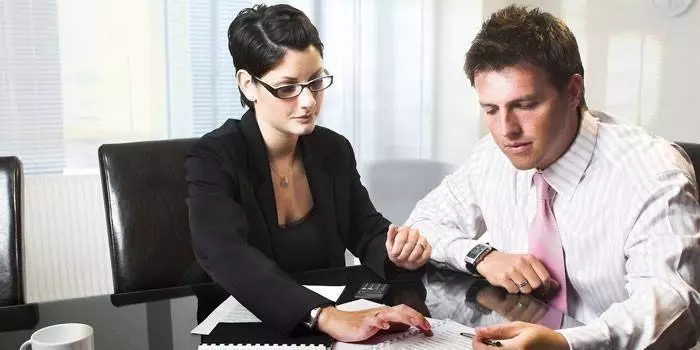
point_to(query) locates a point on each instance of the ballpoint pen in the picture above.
(490, 342)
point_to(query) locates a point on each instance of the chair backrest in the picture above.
(144, 189)
(395, 186)
(11, 280)
(693, 151)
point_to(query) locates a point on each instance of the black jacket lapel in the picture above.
(261, 181)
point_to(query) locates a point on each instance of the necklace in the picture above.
(284, 179)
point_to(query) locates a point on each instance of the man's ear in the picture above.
(575, 91)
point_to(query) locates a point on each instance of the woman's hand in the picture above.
(354, 326)
(407, 248)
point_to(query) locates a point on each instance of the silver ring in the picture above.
(522, 284)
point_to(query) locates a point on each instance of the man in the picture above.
(595, 216)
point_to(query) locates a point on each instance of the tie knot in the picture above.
(544, 191)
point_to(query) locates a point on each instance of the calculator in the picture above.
(372, 291)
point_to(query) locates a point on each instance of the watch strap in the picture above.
(312, 319)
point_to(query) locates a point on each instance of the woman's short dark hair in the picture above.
(259, 37)
(515, 35)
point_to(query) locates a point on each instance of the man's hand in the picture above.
(407, 248)
(520, 335)
(357, 326)
(522, 273)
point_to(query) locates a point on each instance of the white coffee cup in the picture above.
(65, 336)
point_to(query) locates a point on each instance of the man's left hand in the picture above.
(520, 335)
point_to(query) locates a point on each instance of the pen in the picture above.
(490, 342)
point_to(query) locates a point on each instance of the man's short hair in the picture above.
(516, 35)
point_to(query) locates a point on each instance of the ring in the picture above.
(522, 284)
(422, 245)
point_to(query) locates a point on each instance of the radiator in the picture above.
(65, 248)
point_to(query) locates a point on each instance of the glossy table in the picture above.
(163, 319)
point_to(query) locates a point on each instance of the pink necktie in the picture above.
(545, 241)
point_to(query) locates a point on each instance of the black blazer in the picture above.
(232, 209)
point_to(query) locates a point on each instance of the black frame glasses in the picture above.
(289, 91)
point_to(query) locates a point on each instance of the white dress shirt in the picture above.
(628, 214)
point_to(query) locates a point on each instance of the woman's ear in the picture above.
(246, 84)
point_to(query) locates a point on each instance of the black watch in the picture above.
(312, 318)
(475, 256)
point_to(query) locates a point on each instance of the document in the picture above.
(446, 334)
(231, 311)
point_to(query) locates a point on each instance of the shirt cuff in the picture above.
(458, 251)
(593, 336)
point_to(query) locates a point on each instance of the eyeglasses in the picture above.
(293, 90)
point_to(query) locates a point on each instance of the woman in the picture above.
(273, 193)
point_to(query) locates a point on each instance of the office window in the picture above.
(76, 74)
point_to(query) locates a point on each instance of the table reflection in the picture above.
(474, 302)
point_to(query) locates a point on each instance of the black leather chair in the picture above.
(693, 151)
(11, 279)
(144, 189)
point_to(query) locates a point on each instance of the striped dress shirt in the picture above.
(628, 214)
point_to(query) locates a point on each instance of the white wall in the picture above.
(639, 66)
(457, 120)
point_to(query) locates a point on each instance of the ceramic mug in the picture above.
(65, 336)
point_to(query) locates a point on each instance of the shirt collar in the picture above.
(566, 173)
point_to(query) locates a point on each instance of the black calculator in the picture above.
(372, 291)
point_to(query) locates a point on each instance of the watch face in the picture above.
(476, 251)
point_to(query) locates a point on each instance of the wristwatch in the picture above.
(475, 256)
(312, 319)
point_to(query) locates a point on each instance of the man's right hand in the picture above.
(354, 326)
(522, 273)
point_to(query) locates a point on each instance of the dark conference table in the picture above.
(163, 319)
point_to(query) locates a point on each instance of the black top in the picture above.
(232, 216)
(298, 246)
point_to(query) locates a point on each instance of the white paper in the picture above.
(358, 305)
(445, 336)
(231, 311)
(260, 347)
